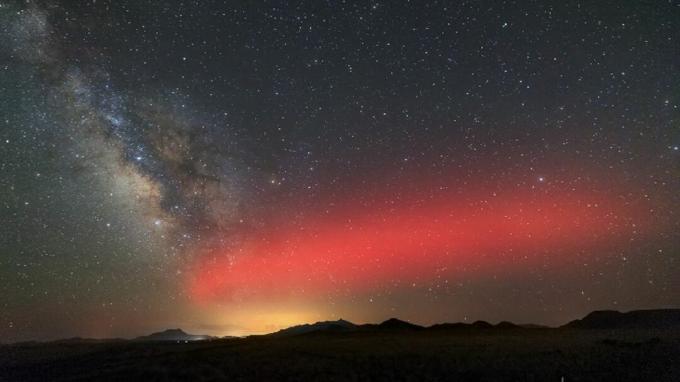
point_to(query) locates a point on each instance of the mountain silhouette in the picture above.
(173, 335)
(321, 326)
(604, 319)
(599, 319)
(481, 325)
(397, 324)
(602, 346)
(507, 325)
(343, 326)
(612, 319)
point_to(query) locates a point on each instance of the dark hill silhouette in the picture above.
(600, 319)
(481, 325)
(321, 326)
(603, 346)
(661, 318)
(343, 326)
(507, 325)
(396, 324)
(173, 335)
(636, 319)
(390, 325)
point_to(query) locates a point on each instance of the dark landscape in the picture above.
(603, 346)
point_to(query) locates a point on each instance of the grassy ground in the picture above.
(481, 355)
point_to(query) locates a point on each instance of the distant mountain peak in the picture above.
(173, 331)
(613, 319)
(506, 325)
(340, 322)
(481, 324)
(173, 335)
(395, 323)
(321, 326)
(599, 319)
(393, 319)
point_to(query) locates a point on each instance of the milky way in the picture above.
(233, 169)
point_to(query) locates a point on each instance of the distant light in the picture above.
(541, 179)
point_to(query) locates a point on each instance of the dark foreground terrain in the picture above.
(446, 354)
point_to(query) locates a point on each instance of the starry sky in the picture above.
(235, 167)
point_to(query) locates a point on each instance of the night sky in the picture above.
(235, 167)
